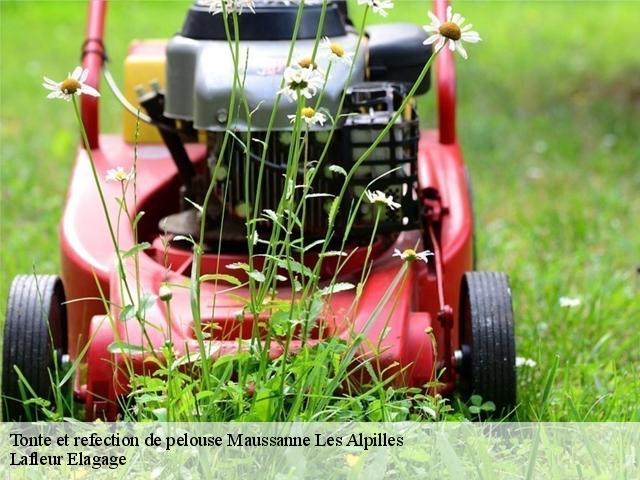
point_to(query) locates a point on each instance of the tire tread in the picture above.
(492, 336)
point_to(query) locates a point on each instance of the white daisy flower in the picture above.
(381, 199)
(410, 255)
(228, 6)
(118, 174)
(335, 52)
(450, 31)
(310, 116)
(74, 84)
(525, 362)
(378, 6)
(569, 302)
(301, 81)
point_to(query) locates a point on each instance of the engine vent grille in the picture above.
(391, 168)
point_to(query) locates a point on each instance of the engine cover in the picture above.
(200, 77)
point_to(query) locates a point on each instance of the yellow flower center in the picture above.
(306, 62)
(450, 30)
(409, 255)
(308, 112)
(70, 86)
(337, 50)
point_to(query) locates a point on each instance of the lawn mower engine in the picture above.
(200, 82)
(443, 322)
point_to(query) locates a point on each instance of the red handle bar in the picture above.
(93, 56)
(446, 85)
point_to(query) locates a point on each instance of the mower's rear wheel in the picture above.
(35, 338)
(487, 354)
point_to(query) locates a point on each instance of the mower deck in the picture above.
(86, 249)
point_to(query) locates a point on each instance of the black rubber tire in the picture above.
(487, 339)
(35, 332)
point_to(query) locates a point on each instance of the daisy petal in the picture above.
(431, 39)
(76, 73)
(434, 20)
(89, 90)
(471, 37)
(461, 50)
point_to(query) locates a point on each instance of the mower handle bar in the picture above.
(93, 55)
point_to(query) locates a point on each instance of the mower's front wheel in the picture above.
(34, 343)
(487, 355)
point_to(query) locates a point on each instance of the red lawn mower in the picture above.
(182, 87)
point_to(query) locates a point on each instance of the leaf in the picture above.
(124, 348)
(257, 276)
(296, 267)
(314, 244)
(183, 238)
(222, 278)
(488, 406)
(147, 301)
(161, 414)
(136, 249)
(270, 214)
(238, 266)
(134, 224)
(449, 457)
(128, 312)
(224, 359)
(262, 405)
(474, 410)
(334, 253)
(334, 209)
(195, 205)
(336, 288)
(279, 322)
(476, 400)
(338, 169)
(204, 394)
(237, 139)
(320, 195)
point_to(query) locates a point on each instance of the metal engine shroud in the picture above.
(200, 71)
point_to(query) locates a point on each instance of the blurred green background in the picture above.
(549, 121)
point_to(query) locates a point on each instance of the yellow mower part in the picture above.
(144, 64)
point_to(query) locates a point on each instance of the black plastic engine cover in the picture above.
(397, 54)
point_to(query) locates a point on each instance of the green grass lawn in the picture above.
(549, 115)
